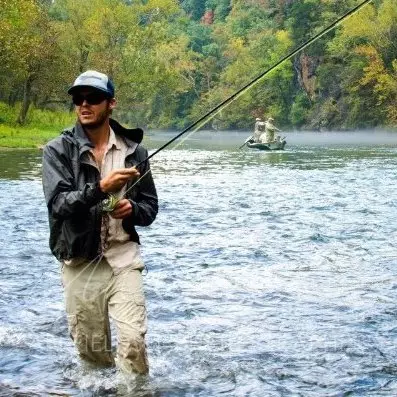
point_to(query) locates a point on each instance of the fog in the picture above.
(234, 139)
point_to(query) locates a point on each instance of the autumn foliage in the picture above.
(172, 61)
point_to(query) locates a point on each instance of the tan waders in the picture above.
(93, 293)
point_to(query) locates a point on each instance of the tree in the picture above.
(29, 47)
(135, 45)
(365, 50)
(194, 8)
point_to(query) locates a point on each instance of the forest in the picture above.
(172, 61)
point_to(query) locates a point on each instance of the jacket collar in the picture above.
(133, 136)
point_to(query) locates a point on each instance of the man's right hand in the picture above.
(116, 179)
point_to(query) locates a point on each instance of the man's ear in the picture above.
(112, 103)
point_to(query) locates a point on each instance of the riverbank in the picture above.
(25, 137)
(41, 126)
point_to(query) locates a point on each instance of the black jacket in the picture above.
(72, 193)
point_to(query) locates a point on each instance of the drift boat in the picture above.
(276, 145)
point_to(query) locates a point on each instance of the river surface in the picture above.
(269, 274)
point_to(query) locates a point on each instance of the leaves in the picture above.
(171, 65)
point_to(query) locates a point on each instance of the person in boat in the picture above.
(99, 251)
(270, 130)
(259, 129)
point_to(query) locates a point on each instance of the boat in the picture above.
(276, 145)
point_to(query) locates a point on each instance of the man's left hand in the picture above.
(122, 210)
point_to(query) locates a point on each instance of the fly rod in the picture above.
(110, 203)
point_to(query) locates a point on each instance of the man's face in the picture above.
(92, 107)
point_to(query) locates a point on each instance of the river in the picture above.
(269, 274)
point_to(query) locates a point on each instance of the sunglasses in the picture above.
(93, 98)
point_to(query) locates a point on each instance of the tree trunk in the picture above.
(13, 96)
(27, 91)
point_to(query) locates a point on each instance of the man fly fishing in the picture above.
(99, 251)
(97, 244)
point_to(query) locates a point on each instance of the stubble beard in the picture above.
(99, 122)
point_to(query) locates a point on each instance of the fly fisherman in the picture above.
(99, 251)
(259, 128)
(270, 130)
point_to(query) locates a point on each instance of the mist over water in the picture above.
(269, 273)
(220, 140)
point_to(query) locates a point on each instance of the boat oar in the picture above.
(246, 141)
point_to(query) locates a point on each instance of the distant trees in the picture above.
(363, 58)
(174, 60)
(346, 79)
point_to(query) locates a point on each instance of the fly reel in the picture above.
(109, 204)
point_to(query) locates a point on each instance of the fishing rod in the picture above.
(110, 203)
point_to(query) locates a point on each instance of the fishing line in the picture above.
(214, 111)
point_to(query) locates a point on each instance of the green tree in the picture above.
(364, 55)
(194, 8)
(221, 8)
(30, 50)
(134, 44)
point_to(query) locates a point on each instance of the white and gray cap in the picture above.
(93, 79)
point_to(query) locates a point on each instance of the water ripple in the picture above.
(269, 274)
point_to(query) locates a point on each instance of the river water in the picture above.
(269, 274)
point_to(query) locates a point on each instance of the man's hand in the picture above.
(122, 210)
(117, 179)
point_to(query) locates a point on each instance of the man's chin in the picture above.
(89, 124)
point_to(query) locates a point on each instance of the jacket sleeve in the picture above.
(145, 203)
(59, 185)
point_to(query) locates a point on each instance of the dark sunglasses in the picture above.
(93, 98)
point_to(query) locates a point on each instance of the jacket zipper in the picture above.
(97, 213)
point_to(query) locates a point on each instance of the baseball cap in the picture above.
(93, 79)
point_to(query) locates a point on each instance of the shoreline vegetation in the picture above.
(44, 125)
(41, 126)
(174, 60)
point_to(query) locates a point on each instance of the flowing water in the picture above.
(269, 274)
